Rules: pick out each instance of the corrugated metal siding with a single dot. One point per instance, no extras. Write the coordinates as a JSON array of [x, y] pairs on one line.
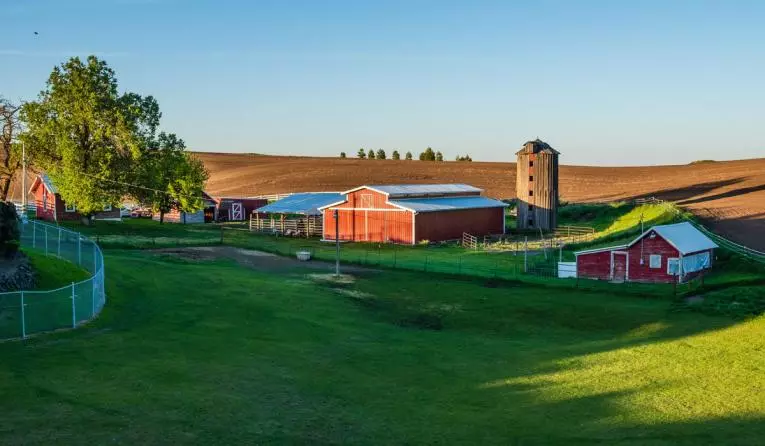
[[449, 225], [370, 226], [366, 198], [427, 189]]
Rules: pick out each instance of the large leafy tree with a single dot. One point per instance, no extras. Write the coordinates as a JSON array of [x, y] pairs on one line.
[[170, 177], [86, 135], [10, 152]]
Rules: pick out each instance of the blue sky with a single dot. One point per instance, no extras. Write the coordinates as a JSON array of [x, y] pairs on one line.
[[605, 82]]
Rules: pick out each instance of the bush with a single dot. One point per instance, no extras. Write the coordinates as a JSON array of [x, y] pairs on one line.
[[10, 232]]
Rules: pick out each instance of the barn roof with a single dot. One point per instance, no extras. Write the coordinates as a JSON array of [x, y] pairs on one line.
[[403, 190], [682, 236], [303, 203], [537, 146], [44, 179], [447, 203]]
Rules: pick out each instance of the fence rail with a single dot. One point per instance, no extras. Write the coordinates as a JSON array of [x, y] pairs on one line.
[[27, 312]]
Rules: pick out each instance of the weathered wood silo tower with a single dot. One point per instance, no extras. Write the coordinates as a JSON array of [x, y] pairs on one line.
[[537, 186]]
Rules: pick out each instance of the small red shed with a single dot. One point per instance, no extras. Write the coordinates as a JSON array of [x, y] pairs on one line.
[[50, 206], [411, 213], [237, 209], [666, 253]]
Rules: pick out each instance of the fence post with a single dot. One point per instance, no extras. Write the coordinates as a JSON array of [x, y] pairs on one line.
[[93, 282], [95, 260], [59, 242], [79, 249], [34, 234], [525, 255], [74, 309], [46, 242], [23, 318]]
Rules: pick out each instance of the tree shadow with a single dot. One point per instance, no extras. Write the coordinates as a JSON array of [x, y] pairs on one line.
[[729, 194], [688, 192]]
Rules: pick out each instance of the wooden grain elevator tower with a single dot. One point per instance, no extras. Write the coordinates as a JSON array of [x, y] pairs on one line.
[[537, 186]]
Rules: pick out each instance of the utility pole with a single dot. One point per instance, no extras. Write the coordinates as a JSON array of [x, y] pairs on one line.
[[24, 177]]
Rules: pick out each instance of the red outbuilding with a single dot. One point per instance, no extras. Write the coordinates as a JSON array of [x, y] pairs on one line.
[[237, 209], [412, 213], [50, 206], [666, 253]]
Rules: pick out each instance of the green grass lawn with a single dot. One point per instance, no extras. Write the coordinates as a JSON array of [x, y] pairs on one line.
[[212, 353], [146, 233]]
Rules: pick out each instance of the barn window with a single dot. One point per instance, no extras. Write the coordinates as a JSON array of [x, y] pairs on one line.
[[531, 177], [531, 193], [69, 207], [367, 201], [531, 222], [673, 267], [531, 207], [655, 261], [531, 163]]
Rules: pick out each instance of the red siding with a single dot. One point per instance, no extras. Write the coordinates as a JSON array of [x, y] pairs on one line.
[[449, 225], [596, 265], [366, 199], [45, 208], [370, 226]]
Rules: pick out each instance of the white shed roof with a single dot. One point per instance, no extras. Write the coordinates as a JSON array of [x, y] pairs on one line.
[[683, 236]]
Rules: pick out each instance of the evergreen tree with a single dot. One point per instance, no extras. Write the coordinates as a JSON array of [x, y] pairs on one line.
[[381, 154], [395, 155], [361, 154], [408, 156], [342, 154], [371, 155]]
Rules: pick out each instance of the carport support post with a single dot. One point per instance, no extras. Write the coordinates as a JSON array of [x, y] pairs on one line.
[[337, 243]]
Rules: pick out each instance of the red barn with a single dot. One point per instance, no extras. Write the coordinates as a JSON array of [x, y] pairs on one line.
[[50, 206], [662, 254], [412, 213], [237, 209]]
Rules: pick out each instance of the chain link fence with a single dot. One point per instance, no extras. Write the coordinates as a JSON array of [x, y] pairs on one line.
[[23, 313]]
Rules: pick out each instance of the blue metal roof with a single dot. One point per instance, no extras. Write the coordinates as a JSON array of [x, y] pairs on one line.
[[48, 183], [303, 203], [447, 203]]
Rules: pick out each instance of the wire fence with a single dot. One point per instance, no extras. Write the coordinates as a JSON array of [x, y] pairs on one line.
[[23, 313]]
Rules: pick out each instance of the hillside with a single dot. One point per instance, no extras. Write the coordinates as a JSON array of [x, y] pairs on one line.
[[730, 194]]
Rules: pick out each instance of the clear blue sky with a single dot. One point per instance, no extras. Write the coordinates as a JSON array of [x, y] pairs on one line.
[[605, 82]]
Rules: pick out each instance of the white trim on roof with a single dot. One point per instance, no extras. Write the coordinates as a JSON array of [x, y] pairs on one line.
[[661, 231], [321, 208], [603, 249], [363, 187]]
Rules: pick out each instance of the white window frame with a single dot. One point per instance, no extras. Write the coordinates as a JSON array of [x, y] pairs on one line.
[[671, 260], [69, 207], [651, 263], [107, 208]]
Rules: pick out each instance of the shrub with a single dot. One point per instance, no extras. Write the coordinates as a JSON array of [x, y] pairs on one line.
[[9, 229]]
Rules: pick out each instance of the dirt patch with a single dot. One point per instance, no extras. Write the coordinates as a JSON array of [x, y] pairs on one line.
[[259, 260]]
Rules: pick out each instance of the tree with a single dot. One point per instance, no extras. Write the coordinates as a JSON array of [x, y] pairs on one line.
[[395, 155], [371, 154], [342, 154], [85, 135], [428, 155], [10, 150], [439, 156], [170, 177], [408, 156], [361, 154], [464, 158], [381, 154]]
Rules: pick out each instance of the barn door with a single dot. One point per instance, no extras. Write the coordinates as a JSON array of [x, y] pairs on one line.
[[619, 266], [236, 212]]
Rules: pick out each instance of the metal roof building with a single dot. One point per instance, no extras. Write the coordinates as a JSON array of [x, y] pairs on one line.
[[302, 204], [411, 213]]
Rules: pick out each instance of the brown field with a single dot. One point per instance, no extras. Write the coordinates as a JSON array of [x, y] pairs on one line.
[[730, 195]]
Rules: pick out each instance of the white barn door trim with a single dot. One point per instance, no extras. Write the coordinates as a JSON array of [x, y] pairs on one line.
[[236, 211]]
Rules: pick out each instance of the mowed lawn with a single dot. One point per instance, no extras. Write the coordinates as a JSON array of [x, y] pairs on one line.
[[215, 353]]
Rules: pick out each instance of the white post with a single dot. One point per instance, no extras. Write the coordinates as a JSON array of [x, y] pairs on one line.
[[23, 319], [59, 241], [79, 249], [93, 283], [74, 309], [560, 257]]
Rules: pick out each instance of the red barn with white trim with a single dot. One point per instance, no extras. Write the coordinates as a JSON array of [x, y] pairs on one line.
[[411, 213], [50, 206], [662, 254]]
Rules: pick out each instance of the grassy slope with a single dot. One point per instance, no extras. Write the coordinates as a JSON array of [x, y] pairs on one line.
[[53, 272], [216, 354]]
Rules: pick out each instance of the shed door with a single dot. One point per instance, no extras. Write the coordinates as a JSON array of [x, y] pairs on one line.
[[619, 265], [236, 212]]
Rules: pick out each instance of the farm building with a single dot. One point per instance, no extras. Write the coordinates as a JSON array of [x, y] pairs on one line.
[[296, 214], [205, 215], [236, 209], [50, 206], [537, 186], [412, 213], [667, 253]]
